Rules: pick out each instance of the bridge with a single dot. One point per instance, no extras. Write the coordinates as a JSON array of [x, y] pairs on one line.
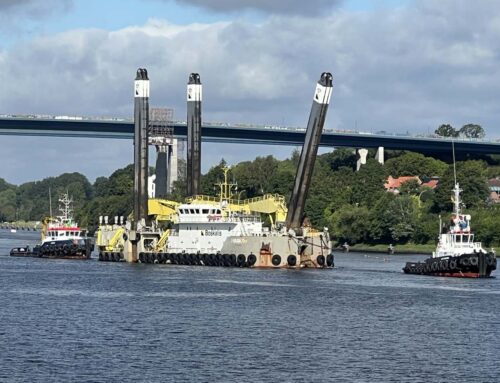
[[239, 133]]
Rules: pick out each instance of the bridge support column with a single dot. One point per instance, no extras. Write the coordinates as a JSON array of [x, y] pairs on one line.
[[362, 154], [162, 170], [173, 169], [379, 156]]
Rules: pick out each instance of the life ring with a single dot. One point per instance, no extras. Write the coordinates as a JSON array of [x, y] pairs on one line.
[[474, 261], [453, 264], [241, 260], [291, 260], [330, 260], [276, 260], [321, 260], [251, 259], [465, 261]]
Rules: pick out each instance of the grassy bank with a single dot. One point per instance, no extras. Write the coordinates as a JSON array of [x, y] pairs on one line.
[[409, 248]]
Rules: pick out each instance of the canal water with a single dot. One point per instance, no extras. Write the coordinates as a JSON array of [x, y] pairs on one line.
[[364, 321]]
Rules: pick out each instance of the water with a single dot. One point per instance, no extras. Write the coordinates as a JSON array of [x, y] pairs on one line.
[[87, 321]]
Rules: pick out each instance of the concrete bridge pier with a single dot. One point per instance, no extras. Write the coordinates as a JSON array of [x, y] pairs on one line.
[[362, 155], [166, 168], [379, 156]]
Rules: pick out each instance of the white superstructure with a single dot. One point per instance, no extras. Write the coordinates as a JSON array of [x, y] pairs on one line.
[[459, 238], [63, 227]]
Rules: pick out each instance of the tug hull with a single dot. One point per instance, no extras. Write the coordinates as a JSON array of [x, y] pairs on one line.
[[476, 265]]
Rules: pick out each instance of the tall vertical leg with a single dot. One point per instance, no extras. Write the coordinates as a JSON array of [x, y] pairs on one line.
[[309, 152], [194, 96]]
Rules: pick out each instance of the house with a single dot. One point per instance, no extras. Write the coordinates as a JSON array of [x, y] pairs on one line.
[[393, 184], [431, 183], [494, 185]]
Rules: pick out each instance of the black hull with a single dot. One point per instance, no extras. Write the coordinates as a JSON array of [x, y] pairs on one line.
[[191, 259], [475, 265], [66, 251]]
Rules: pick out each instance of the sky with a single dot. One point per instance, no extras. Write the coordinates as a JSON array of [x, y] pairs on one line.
[[398, 65]]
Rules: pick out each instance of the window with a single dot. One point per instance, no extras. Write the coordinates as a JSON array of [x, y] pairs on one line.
[[197, 211], [205, 211], [191, 211]]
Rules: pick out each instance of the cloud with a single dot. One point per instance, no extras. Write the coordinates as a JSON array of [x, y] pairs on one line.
[[299, 7], [408, 69], [32, 8]]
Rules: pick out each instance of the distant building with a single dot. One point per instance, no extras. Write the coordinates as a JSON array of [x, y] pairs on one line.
[[392, 185], [431, 183], [494, 185]]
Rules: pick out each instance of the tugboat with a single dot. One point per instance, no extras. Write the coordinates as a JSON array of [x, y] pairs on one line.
[[61, 237], [456, 255]]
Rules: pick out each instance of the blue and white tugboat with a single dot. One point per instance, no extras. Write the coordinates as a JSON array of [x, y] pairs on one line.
[[456, 255], [62, 238]]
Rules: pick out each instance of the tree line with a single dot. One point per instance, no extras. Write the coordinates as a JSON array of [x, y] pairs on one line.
[[354, 205]]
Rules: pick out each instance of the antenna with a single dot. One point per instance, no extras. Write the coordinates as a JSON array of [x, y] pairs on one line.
[[454, 163]]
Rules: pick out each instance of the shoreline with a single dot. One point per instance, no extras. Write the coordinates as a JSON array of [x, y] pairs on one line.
[[382, 249]]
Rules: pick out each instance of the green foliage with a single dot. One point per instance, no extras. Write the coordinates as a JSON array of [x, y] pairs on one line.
[[411, 187], [472, 131], [368, 185], [485, 225], [350, 224], [354, 205], [446, 130], [342, 157], [415, 164], [471, 176]]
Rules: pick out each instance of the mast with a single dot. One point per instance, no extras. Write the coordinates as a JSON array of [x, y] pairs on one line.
[[50, 203], [456, 189]]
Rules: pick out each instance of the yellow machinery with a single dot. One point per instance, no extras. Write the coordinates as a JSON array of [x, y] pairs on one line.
[[111, 238]]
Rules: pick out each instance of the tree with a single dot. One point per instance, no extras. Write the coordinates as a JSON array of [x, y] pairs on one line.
[[342, 157], [446, 130], [472, 131], [411, 187], [350, 224], [415, 164], [368, 183], [471, 176]]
